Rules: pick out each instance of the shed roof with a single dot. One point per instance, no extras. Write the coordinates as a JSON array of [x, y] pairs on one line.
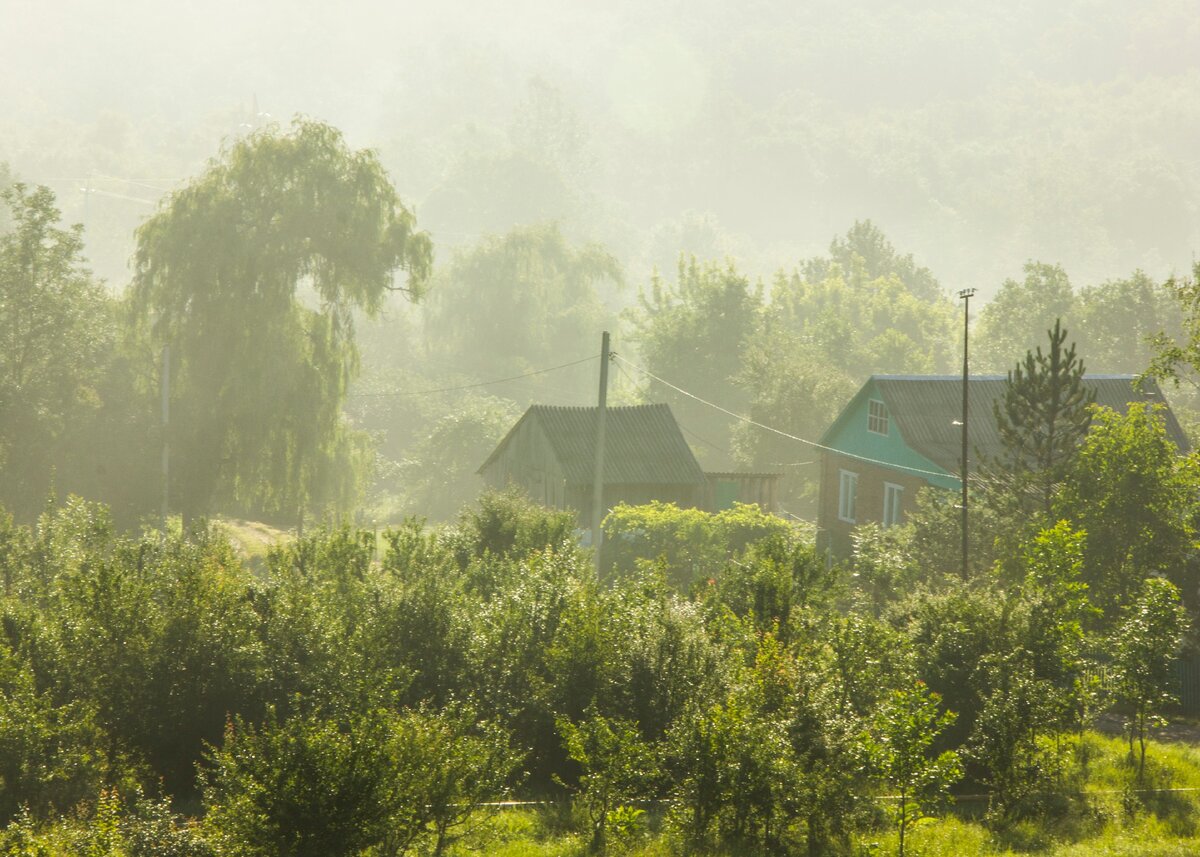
[[926, 408], [642, 444]]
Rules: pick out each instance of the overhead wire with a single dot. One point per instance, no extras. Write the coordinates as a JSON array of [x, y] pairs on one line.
[[686, 430], [781, 433]]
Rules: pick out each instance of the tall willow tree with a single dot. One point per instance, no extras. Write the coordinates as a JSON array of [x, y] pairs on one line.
[[258, 376]]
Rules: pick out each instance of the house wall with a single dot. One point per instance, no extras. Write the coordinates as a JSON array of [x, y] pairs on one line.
[[528, 462], [833, 534]]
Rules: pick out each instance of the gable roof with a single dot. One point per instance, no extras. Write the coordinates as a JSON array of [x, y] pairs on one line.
[[926, 407], [642, 444]]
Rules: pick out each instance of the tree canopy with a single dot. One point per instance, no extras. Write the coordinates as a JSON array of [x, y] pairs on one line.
[[56, 323], [251, 275]]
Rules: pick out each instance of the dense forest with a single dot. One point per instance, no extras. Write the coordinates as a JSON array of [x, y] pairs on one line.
[[254, 600]]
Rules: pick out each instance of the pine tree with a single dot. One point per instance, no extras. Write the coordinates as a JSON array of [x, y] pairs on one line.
[[1042, 417]]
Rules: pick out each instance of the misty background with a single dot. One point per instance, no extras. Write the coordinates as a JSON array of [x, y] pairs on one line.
[[975, 135], [565, 158]]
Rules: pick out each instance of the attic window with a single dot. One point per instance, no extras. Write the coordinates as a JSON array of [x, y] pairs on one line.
[[877, 417]]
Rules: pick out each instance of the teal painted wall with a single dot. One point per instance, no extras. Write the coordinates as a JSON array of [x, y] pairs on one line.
[[850, 435]]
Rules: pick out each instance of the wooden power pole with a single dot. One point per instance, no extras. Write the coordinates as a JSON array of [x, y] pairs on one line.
[[598, 473]]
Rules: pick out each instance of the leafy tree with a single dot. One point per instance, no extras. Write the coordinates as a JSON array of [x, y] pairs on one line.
[[693, 544], [1134, 495], [55, 325], [258, 377], [438, 471], [507, 524], [861, 322], [692, 333], [906, 726], [867, 252], [1043, 416], [1144, 646], [617, 766], [464, 763], [48, 759], [1016, 711], [524, 300], [881, 565], [792, 388], [935, 547], [1119, 321], [310, 785], [513, 636], [1178, 357], [1011, 323]]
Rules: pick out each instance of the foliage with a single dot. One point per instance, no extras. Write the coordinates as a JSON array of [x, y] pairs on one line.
[[438, 473], [905, 728], [864, 319], [792, 388], [1119, 321], [693, 544], [1044, 414], [935, 546], [1134, 495], [1144, 646], [309, 785], [617, 767], [56, 327], [1177, 353], [1012, 322], [509, 525], [692, 333], [881, 565], [257, 376], [524, 300], [46, 757], [867, 252]]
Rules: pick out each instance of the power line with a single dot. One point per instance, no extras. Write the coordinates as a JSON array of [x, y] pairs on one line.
[[478, 384], [812, 443], [686, 430]]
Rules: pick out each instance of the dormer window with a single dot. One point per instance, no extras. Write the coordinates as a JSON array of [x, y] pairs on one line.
[[877, 417]]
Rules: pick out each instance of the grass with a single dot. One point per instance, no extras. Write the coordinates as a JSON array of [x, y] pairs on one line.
[[253, 539], [1106, 820]]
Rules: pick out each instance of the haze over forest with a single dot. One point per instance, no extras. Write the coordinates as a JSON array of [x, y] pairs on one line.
[[836, 171], [975, 135]]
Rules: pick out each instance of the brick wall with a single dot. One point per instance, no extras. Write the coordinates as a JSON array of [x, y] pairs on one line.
[[833, 534]]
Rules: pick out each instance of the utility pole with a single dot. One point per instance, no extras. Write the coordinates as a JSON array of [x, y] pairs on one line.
[[165, 384], [965, 295], [598, 473]]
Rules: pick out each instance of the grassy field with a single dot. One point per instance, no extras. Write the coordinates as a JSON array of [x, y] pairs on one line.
[[1106, 819]]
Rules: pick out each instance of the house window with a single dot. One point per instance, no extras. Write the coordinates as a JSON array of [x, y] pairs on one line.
[[847, 496], [877, 417], [893, 497]]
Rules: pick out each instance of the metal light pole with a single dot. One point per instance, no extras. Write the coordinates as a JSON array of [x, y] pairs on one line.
[[965, 295]]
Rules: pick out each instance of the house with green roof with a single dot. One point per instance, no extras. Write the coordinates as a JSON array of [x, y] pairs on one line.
[[902, 433], [550, 454]]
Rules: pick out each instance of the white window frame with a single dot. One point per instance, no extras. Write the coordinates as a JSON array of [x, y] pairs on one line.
[[847, 496], [877, 417], [893, 502]]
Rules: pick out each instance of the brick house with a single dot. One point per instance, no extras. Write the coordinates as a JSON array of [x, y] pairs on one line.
[[902, 433]]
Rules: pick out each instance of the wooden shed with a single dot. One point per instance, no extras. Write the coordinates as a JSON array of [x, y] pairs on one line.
[[550, 454]]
